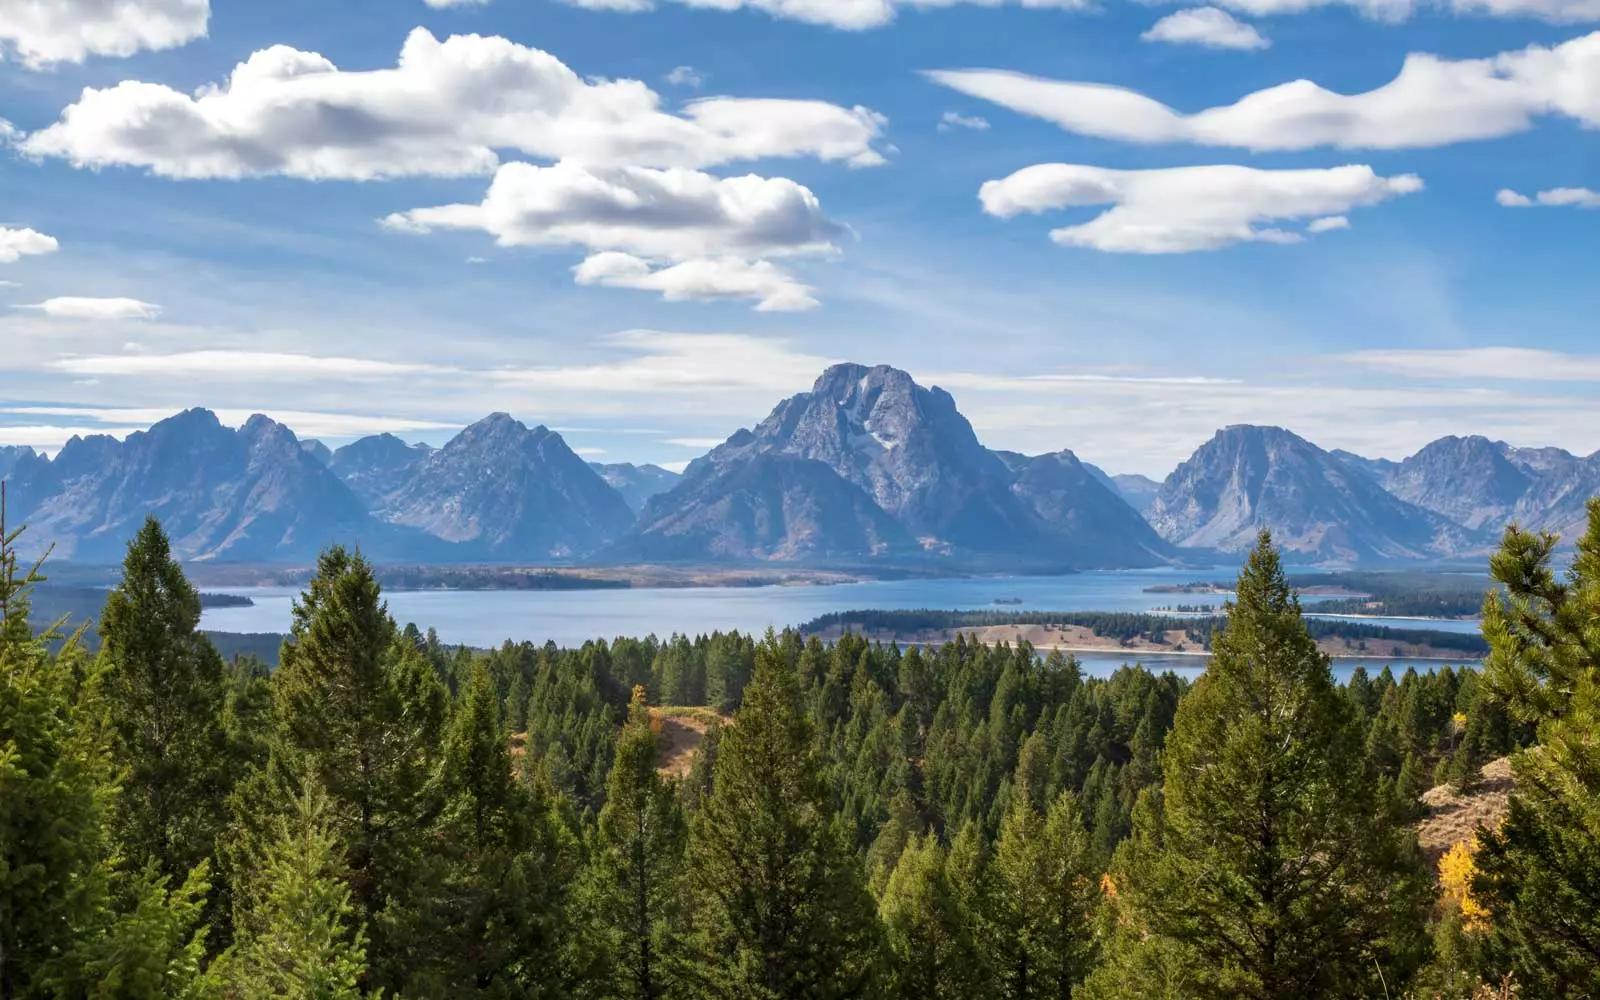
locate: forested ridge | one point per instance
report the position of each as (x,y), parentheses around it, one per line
(385,816)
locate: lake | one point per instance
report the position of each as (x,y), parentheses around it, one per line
(487,618)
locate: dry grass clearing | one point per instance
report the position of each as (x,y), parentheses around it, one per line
(682,729)
(1453,818)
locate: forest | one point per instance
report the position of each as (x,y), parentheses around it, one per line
(385,816)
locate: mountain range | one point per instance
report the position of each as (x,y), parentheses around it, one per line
(868,468)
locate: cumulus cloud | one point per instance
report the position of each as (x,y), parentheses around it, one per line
(1513,363)
(669,214)
(1432,102)
(80,307)
(18,243)
(1553,198)
(955,119)
(44,32)
(1208,27)
(848,15)
(685,76)
(1327,224)
(634,218)
(1185,209)
(445,109)
(701,279)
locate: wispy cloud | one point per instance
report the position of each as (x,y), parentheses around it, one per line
(1482,363)
(80,307)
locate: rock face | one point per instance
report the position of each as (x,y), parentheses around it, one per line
(252,494)
(377,466)
(636,483)
(317,450)
(1466,479)
(1248,478)
(1377,469)
(502,491)
(10,455)
(1558,491)
(1138,491)
(914,458)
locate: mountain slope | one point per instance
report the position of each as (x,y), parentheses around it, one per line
(376,466)
(1466,479)
(636,483)
(509,493)
(911,453)
(1247,478)
(252,494)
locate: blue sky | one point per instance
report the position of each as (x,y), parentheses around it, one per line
(547,219)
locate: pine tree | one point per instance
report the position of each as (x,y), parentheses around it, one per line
(631,895)
(301,938)
(154,950)
(359,713)
(783,913)
(54,791)
(1046,889)
(928,933)
(1539,872)
(165,692)
(1274,868)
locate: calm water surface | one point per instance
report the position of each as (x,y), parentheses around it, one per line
(489,617)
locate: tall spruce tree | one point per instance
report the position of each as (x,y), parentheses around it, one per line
(929,934)
(1539,871)
(1274,870)
(1046,891)
(360,713)
(300,937)
(165,692)
(54,792)
(631,897)
(783,912)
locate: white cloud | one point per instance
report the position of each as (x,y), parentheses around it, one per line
(955,119)
(1327,224)
(848,15)
(1553,198)
(670,214)
(677,467)
(18,243)
(1208,27)
(80,307)
(701,443)
(700,279)
(305,423)
(236,364)
(49,437)
(44,32)
(1554,11)
(588,452)
(1509,363)
(685,76)
(1432,102)
(1184,209)
(445,110)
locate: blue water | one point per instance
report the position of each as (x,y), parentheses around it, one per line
(569,618)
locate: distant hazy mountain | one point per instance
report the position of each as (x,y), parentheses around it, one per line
(1485,485)
(251,494)
(506,492)
(1377,469)
(10,455)
(377,466)
(765,506)
(1318,507)
(317,450)
(1466,479)
(636,483)
(915,459)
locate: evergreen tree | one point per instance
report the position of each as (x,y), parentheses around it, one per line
(783,913)
(301,938)
(1539,872)
(1274,867)
(54,787)
(165,691)
(1045,891)
(155,950)
(631,896)
(928,933)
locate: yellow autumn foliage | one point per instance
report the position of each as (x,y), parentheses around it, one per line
(1456,870)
